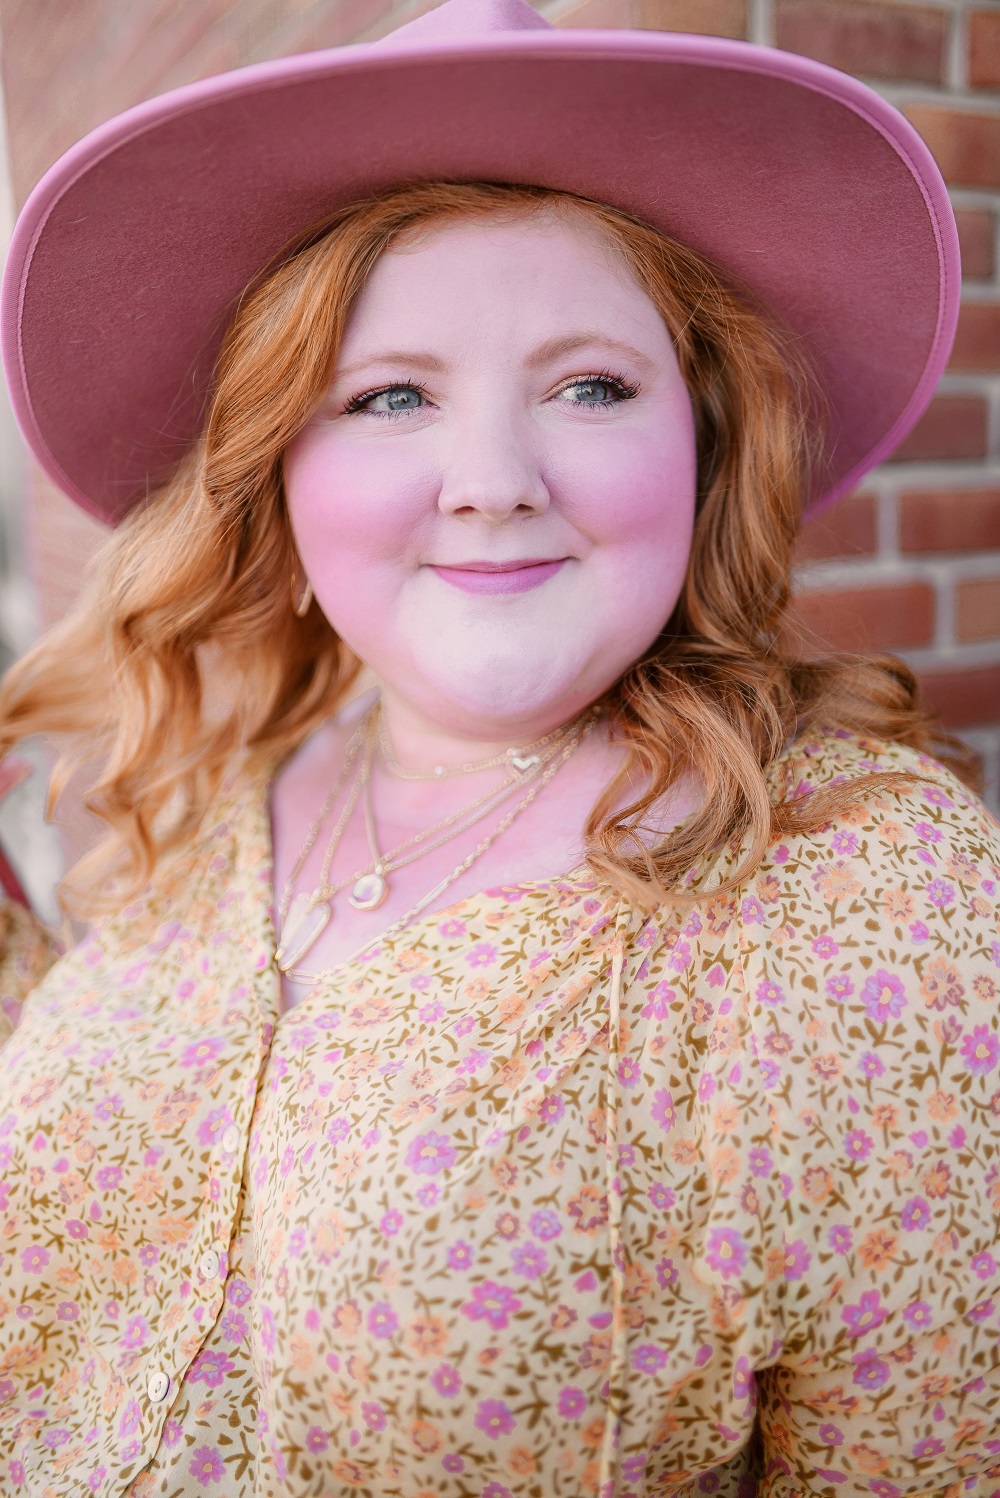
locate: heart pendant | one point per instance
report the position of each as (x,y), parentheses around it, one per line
(305,921)
(369,892)
(522,762)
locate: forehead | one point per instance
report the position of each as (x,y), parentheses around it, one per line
(538,273)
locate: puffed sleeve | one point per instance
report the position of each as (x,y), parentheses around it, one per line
(27,951)
(871,954)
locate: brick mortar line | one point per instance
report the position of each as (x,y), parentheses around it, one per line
(931,659)
(871,571)
(901,92)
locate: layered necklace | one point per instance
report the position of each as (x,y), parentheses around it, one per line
(303,917)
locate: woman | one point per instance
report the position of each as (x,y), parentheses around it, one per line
(441,1169)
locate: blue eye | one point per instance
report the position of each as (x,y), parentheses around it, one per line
(392,400)
(598,390)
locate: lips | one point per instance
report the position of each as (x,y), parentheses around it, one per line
(500,577)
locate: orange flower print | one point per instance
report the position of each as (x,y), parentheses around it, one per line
(877,1249)
(428,1336)
(941,1106)
(836,881)
(588,1210)
(941,984)
(936,1180)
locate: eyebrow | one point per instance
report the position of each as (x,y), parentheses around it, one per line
(552,348)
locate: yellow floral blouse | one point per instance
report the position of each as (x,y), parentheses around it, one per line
(543,1198)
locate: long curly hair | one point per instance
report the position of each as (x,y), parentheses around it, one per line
(184,655)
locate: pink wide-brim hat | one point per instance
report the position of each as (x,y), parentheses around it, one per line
(132,251)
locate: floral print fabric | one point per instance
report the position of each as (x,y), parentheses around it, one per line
(544,1197)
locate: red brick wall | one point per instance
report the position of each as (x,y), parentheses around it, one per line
(912,563)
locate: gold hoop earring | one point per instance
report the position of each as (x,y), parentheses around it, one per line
(301,606)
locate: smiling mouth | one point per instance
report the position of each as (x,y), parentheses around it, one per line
(499,577)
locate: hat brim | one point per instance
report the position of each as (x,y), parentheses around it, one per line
(131,252)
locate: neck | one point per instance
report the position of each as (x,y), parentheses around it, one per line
(420,743)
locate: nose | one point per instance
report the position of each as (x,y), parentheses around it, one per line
(491,470)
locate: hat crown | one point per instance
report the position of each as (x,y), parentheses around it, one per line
(458,20)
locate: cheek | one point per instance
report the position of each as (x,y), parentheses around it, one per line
(352,502)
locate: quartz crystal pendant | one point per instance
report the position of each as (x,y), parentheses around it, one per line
(369,892)
(305,921)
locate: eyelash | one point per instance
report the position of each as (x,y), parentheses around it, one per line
(625,388)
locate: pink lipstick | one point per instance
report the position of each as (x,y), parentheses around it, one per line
(499,577)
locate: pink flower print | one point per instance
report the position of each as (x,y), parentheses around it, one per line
(206,1465)
(680,957)
(214,1126)
(551,1108)
(172,1432)
(16,1471)
(545,1225)
(840,1238)
(797,1259)
(984,1265)
(530,1260)
(447,1380)
(382,1320)
(868,1314)
(845,843)
(929,1446)
(726,1252)
(431,1013)
(667,1273)
(629,1074)
(338,1130)
(317,1439)
(67,1310)
(663,1109)
(980,1050)
(839,987)
(941,893)
(430,1153)
(883,996)
(825,947)
(493,1303)
(461,1255)
(646,1358)
(237,1291)
(508,1225)
(661,1196)
(915,1214)
(769,1072)
(493,1418)
(981,1312)
(770,993)
(427,1195)
(870,1371)
(149,1255)
(267,1331)
(109,1179)
(744,1383)
(928,832)
(129,1422)
(572,1402)
(496,1490)
(870,1065)
(452,1462)
(831,1435)
(753,911)
(918,1315)
(233,1326)
(481,955)
(452,928)
(373,1415)
(391,1223)
(761,1161)
(473,1062)
(658,1004)
(464,1024)
(858,1144)
(135,1333)
(201,1053)
(210,1368)
(34,1259)
(77,1229)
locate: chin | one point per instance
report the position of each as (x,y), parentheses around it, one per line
(504,688)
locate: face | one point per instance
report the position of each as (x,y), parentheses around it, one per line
(494,502)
